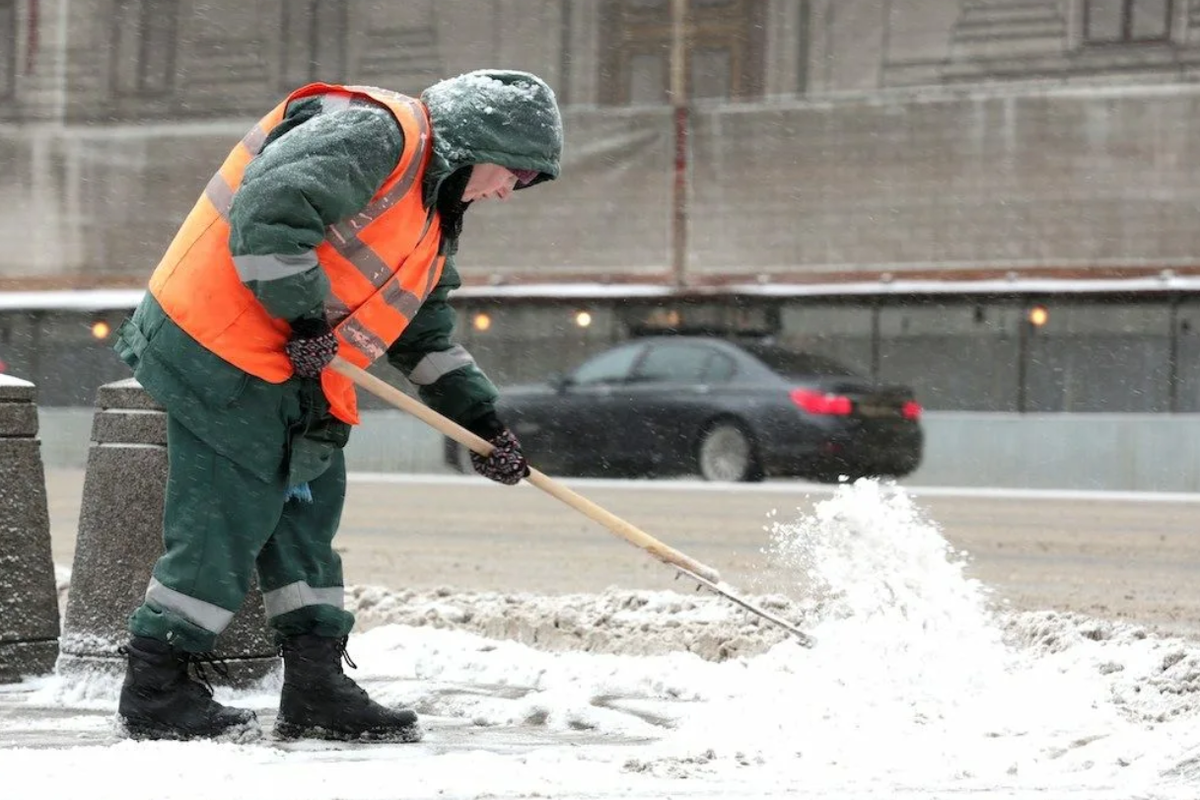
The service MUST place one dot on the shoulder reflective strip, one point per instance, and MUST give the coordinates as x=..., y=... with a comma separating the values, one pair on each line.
x=220, y=195
x=254, y=140
x=298, y=595
x=218, y=191
x=356, y=334
x=345, y=238
x=433, y=366
x=401, y=299
x=376, y=90
x=273, y=267
x=212, y=618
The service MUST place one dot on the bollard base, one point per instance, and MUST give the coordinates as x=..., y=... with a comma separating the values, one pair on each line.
x=120, y=538
x=243, y=672
x=26, y=659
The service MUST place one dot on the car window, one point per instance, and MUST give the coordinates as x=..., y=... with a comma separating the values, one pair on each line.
x=612, y=366
x=720, y=369
x=675, y=363
x=797, y=365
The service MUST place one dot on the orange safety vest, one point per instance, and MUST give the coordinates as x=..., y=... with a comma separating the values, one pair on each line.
x=382, y=263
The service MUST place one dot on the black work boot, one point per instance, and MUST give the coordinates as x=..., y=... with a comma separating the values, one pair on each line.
x=320, y=702
x=161, y=700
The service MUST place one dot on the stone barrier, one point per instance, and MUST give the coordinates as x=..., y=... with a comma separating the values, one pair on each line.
x=28, y=595
x=120, y=538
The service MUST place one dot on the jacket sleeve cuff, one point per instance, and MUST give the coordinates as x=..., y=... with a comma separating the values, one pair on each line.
x=486, y=425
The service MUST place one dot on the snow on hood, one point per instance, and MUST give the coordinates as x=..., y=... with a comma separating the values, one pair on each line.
x=504, y=117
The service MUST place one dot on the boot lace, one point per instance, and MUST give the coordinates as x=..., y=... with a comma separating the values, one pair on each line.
x=281, y=650
x=346, y=680
x=198, y=664
x=329, y=654
x=346, y=656
x=195, y=667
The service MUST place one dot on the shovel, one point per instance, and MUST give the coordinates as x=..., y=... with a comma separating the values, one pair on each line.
x=704, y=575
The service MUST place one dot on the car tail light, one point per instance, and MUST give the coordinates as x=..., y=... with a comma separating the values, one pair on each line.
x=911, y=410
x=821, y=403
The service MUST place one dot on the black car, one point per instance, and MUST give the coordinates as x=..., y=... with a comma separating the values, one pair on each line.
x=672, y=405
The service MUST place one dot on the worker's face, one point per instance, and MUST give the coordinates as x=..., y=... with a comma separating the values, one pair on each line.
x=488, y=181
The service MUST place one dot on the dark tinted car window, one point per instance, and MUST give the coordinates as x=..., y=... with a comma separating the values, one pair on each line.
x=720, y=370
x=609, y=367
x=674, y=363
x=796, y=365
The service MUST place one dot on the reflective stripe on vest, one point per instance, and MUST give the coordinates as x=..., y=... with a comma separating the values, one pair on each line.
x=382, y=263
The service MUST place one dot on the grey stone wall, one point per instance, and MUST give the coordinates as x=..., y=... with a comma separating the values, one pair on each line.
x=988, y=159
x=233, y=58
x=39, y=62
x=78, y=60
x=1054, y=178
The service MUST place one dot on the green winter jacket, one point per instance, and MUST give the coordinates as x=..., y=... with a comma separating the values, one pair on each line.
x=319, y=166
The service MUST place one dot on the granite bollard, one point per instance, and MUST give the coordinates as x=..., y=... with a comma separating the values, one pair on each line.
x=28, y=595
x=120, y=538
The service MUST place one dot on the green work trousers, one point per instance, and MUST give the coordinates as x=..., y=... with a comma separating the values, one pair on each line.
x=219, y=524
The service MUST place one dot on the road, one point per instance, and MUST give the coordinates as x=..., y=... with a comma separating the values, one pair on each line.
x=1115, y=557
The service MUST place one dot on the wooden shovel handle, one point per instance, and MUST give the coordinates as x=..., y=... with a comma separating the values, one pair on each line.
x=620, y=527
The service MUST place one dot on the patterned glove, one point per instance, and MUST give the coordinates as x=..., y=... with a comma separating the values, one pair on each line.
x=507, y=463
x=311, y=348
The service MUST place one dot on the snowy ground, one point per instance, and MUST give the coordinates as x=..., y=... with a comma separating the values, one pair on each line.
x=918, y=688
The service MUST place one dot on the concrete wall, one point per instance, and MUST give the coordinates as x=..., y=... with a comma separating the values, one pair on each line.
x=1109, y=452
x=827, y=174
x=942, y=181
x=1048, y=179
x=1112, y=452
x=387, y=441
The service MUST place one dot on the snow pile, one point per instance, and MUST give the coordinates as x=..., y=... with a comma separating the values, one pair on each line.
x=1149, y=679
x=619, y=622
x=916, y=677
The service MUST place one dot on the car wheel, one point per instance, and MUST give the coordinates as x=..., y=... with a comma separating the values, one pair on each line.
x=464, y=460
x=726, y=454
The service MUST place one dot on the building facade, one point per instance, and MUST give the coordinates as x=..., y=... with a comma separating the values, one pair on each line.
x=834, y=156
x=825, y=140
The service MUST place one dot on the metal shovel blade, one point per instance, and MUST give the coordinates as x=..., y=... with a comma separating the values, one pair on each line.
x=727, y=591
